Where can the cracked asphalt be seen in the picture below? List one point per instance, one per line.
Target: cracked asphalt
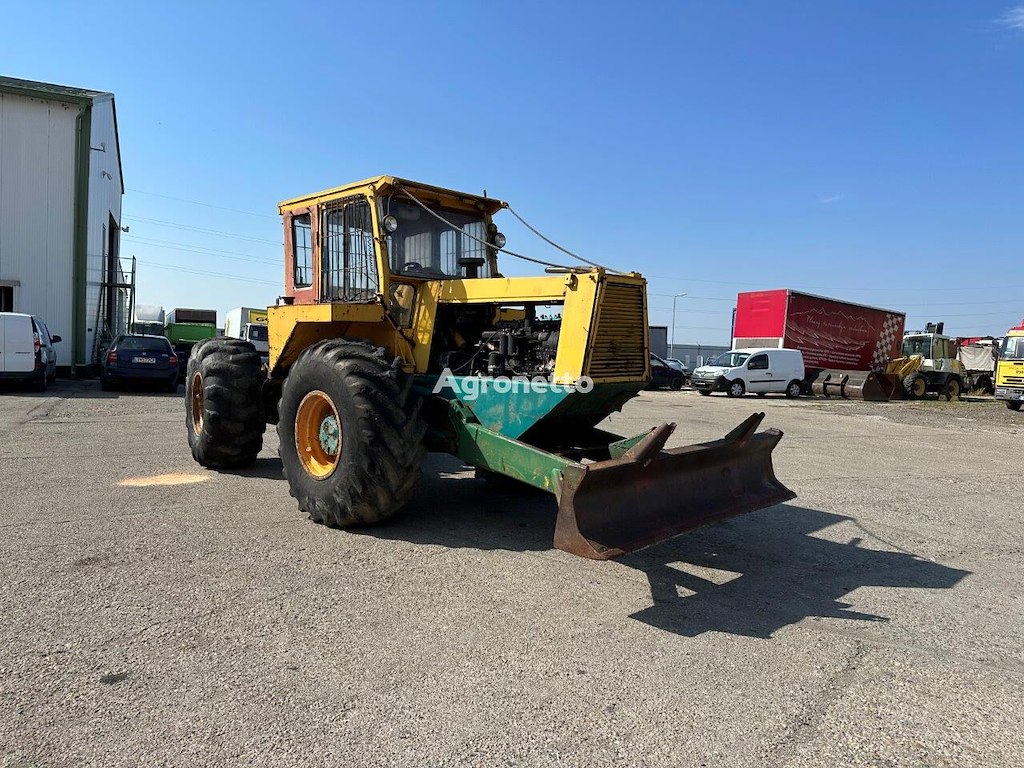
(873, 621)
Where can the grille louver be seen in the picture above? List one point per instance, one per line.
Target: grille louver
(617, 341)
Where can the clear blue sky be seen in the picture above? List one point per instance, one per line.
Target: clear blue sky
(872, 151)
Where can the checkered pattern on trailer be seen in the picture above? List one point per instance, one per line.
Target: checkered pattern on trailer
(891, 331)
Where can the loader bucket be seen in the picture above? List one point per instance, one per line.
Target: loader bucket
(879, 387)
(831, 384)
(858, 385)
(611, 507)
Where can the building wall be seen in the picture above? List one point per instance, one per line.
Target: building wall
(104, 203)
(37, 190)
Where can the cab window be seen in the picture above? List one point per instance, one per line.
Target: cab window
(302, 250)
(349, 267)
(758, 363)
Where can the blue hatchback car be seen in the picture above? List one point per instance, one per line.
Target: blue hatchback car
(140, 358)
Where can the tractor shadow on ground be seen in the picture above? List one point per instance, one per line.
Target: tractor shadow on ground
(755, 574)
(749, 576)
(452, 508)
(265, 467)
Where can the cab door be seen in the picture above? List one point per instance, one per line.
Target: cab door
(759, 374)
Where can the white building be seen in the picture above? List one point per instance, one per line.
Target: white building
(60, 212)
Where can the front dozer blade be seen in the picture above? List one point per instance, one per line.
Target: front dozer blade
(608, 508)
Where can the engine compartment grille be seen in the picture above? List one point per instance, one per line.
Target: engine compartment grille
(617, 348)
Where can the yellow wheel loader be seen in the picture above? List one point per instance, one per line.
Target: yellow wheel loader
(396, 334)
(930, 364)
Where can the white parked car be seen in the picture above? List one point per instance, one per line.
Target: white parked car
(26, 349)
(752, 370)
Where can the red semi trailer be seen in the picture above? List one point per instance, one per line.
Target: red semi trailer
(831, 334)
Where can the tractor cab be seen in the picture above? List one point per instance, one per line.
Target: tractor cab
(368, 239)
(929, 344)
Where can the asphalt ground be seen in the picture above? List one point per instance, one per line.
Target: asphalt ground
(873, 621)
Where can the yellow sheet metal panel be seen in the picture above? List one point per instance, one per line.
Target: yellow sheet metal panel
(424, 319)
(508, 290)
(577, 321)
(318, 321)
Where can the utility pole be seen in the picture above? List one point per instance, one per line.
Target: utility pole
(672, 336)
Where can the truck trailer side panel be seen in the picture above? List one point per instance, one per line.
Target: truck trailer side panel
(830, 333)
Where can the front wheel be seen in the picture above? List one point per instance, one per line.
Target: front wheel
(675, 384)
(736, 389)
(1013, 405)
(915, 386)
(223, 412)
(351, 439)
(704, 392)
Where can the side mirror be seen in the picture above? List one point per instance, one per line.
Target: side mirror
(55, 339)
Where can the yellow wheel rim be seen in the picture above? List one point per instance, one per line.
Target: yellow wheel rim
(920, 387)
(197, 402)
(318, 435)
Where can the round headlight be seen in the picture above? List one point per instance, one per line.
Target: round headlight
(390, 223)
(498, 239)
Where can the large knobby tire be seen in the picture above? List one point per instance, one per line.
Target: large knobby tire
(915, 386)
(954, 387)
(223, 412)
(351, 439)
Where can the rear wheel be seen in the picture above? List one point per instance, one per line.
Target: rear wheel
(223, 412)
(953, 388)
(794, 389)
(736, 389)
(351, 439)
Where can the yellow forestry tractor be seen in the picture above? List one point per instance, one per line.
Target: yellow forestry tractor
(396, 334)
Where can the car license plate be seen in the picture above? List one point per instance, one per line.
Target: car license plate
(143, 359)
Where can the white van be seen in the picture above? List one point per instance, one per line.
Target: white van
(752, 370)
(26, 349)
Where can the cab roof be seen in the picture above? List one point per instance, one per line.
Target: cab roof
(385, 184)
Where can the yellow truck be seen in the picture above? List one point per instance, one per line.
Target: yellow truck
(1010, 369)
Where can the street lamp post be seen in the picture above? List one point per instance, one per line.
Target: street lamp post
(672, 336)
